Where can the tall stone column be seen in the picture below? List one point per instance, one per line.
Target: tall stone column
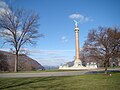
(77, 61)
(77, 57)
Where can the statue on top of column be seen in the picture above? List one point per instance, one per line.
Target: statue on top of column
(76, 23)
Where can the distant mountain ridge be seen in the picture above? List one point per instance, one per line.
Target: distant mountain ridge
(25, 63)
(51, 67)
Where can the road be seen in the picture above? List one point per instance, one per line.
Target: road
(47, 74)
(41, 74)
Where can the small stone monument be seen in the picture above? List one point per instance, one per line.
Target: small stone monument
(91, 65)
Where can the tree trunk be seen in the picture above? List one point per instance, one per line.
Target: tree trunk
(16, 63)
(106, 65)
(106, 68)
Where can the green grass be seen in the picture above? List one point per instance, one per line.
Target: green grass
(82, 82)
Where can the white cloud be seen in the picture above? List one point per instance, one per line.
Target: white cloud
(51, 57)
(7, 34)
(3, 4)
(54, 61)
(76, 16)
(48, 52)
(5, 49)
(64, 39)
(79, 17)
(4, 8)
(43, 52)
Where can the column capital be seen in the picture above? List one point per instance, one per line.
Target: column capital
(76, 29)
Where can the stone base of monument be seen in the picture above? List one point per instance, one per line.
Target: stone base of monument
(77, 66)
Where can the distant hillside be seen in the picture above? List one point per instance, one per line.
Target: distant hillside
(51, 67)
(25, 63)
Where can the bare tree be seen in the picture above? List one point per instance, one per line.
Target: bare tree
(19, 28)
(103, 43)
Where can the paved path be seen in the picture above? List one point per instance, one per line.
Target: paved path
(47, 74)
(41, 74)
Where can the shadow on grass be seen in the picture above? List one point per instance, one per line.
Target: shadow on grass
(26, 81)
(100, 72)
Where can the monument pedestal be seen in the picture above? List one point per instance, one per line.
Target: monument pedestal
(77, 63)
(77, 66)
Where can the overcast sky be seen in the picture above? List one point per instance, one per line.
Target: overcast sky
(56, 22)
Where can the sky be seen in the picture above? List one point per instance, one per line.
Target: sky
(56, 23)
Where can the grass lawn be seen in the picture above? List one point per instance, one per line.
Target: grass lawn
(82, 82)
